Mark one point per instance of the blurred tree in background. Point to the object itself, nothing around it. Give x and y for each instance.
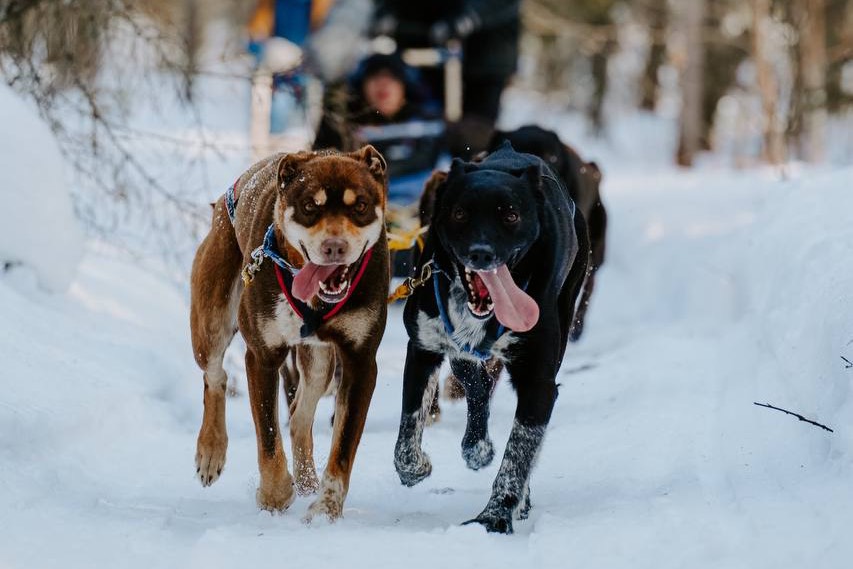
(792, 56)
(784, 65)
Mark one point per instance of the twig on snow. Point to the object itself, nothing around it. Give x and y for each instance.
(847, 363)
(797, 415)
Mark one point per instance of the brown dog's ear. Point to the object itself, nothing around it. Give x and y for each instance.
(427, 203)
(289, 166)
(374, 160)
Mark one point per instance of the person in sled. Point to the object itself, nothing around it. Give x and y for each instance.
(387, 108)
(488, 31)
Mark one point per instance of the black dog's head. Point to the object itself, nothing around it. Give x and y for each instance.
(486, 218)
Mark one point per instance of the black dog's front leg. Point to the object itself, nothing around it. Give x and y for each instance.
(510, 491)
(412, 464)
(477, 449)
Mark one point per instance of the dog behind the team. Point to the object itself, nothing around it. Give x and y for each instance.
(307, 231)
(509, 253)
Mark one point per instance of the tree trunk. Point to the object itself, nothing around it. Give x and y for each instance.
(813, 63)
(657, 20)
(692, 76)
(774, 147)
(599, 78)
(192, 46)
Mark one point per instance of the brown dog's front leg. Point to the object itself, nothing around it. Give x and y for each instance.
(353, 401)
(275, 492)
(316, 365)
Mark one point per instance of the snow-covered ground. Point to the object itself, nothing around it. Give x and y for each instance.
(721, 289)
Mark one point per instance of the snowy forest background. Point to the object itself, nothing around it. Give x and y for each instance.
(724, 130)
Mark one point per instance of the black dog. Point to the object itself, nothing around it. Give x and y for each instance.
(509, 255)
(583, 180)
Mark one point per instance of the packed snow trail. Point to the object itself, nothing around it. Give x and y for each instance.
(720, 289)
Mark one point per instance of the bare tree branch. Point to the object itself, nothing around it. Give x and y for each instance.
(797, 415)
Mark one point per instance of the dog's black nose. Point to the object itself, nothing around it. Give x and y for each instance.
(480, 257)
(334, 250)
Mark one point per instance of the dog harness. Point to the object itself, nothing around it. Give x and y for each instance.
(494, 329)
(312, 317)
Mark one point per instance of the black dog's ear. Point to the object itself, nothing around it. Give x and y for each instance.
(533, 175)
(376, 163)
(457, 167)
(290, 165)
(506, 145)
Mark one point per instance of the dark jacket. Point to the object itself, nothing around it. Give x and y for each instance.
(489, 29)
(404, 152)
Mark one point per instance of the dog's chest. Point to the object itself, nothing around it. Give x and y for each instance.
(469, 334)
(284, 327)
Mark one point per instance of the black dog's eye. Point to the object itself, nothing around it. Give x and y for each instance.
(511, 217)
(360, 207)
(459, 214)
(309, 206)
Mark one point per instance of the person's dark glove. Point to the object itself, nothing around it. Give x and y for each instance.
(384, 26)
(457, 28)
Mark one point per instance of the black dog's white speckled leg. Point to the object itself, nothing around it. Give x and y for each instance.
(523, 511)
(420, 380)
(511, 485)
(477, 448)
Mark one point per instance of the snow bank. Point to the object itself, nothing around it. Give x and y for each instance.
(800, 282)
(39, 229)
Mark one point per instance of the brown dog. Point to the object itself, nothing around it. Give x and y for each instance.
(309, 228)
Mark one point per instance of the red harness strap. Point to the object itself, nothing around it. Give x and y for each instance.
(304, 311)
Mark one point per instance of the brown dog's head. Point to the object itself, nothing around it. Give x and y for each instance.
(331, 208)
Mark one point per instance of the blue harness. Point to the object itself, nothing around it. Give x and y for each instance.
(493, 334)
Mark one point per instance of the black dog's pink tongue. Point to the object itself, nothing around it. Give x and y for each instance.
(513, 307)
(306, 283)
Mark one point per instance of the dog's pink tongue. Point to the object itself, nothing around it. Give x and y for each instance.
(306, 283)
(513, 307)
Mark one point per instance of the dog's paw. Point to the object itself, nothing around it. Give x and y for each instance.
(323, 509)
(276, 498)
(493, 523)
(479, 455)
(412, 467)
(210, 458)
(329, 504)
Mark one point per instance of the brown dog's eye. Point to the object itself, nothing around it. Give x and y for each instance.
(360, 207)
(459, 214)
(511, 217)
(309, 206)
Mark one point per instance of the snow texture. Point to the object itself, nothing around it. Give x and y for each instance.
(39, 231)
(721, 289)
